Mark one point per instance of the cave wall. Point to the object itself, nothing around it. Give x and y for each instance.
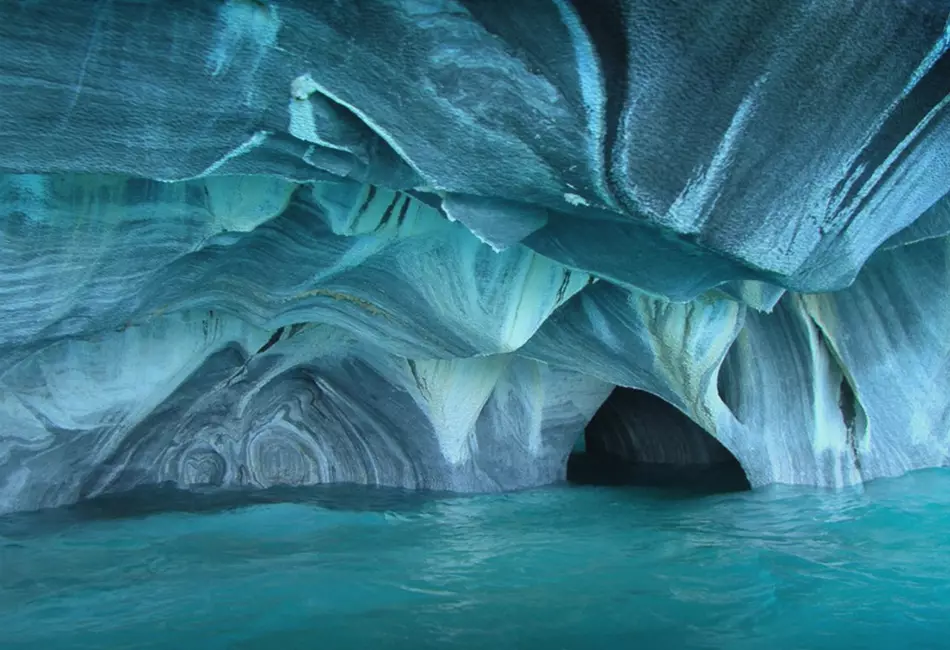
(252, 243)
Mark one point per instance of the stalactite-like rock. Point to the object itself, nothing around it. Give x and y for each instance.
(256, 243)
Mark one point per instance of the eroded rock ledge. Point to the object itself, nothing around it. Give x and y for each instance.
(419, 243)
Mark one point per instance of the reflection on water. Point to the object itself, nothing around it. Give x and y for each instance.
(585, 468)
(155, 500)
(564, 567)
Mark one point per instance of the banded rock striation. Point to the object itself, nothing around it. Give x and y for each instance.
(418, 243)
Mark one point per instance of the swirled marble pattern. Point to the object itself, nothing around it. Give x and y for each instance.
(701, 121)
(134, 250)
(256, 243)
(187, 400)
(898, 368)
(778, 389)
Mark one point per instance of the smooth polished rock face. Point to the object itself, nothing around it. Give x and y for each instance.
(417, 244)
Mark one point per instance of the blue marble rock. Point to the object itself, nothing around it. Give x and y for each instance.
(418, 243)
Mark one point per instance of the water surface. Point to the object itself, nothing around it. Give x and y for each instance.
(562, 567)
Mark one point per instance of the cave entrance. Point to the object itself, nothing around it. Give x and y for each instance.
(636, 438)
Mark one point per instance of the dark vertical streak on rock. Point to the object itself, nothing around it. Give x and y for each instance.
(387, 215)
(295, 329)
(849, 411)
(370, 193)
(563, 288)
(420, 383)
(271, 341)
(604, 21)
(402, 213)
(932, 89)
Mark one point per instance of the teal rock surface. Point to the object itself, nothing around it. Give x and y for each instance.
(419, 243)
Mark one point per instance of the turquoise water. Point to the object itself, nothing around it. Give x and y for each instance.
(563, 567)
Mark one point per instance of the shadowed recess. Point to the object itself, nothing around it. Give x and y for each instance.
(639, 439)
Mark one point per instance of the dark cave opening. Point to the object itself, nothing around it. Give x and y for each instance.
(638, 439)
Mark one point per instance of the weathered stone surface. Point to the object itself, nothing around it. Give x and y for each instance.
(418, 242)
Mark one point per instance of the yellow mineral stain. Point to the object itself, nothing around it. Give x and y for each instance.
(336, 295)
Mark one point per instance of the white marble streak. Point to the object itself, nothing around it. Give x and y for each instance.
(253, 243)
(188, 400)
(889, 331)
(407, 279)
(765, 385)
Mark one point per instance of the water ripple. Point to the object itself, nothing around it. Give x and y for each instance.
(556, 568)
